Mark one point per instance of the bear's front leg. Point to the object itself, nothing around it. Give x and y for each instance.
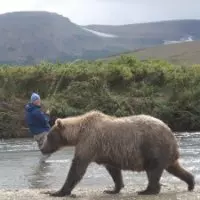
(117, 178)
(76, 172)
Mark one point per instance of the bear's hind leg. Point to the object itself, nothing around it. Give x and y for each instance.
(154, 176)
(116, 175)
(182, 174)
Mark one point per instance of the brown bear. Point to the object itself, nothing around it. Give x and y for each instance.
(136, 143)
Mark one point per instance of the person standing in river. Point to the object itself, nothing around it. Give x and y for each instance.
(37, 121)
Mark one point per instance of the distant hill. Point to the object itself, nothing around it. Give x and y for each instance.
(158, 31)
(30, 37)
(179, 53)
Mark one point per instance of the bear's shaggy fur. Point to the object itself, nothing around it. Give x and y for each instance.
(136, 143)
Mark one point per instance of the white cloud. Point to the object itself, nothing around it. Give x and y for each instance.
(110, 11)
(12, 5)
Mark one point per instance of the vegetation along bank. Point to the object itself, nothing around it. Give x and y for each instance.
(121, 86)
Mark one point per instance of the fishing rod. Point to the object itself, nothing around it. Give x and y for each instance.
(61, 78)
(59, 82)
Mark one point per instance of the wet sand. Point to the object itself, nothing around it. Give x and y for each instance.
(174, 192)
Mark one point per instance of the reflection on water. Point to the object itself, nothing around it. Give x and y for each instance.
(20, 167)
(38, 175)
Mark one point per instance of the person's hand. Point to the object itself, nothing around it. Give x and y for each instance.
(48, 112)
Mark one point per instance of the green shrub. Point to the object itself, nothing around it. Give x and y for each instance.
(118, 87)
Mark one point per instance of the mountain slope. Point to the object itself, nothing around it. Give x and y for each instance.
(33, 36)
(164, 30)
(30, 37)
(180, 53)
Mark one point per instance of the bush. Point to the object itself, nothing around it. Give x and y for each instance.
(118, 87)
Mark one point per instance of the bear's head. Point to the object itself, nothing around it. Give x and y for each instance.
(55, 138)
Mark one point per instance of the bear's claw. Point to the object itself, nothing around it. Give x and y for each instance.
(148, 192)
(58, 194)
(111, 191)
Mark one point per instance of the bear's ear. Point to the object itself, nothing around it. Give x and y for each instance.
(59, 123)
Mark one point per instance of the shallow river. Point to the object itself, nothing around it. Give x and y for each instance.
(20, 169)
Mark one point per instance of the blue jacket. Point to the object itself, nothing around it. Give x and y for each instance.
(36, 120)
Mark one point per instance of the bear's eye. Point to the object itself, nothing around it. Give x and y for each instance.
(53, 136)
(50, 137)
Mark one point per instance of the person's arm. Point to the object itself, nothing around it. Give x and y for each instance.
(47, 115)
(41, 117)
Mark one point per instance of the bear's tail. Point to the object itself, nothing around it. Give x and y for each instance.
(177, 170)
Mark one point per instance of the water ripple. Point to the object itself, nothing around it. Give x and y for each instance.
(20, 168)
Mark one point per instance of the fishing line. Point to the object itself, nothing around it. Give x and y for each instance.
(60, 80)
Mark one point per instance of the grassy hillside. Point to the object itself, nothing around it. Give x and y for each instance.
(30, 37)
(186, 53)
(120, 87)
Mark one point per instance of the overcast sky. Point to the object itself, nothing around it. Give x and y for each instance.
(110, 11)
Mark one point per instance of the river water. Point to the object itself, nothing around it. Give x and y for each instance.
(20, 168)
